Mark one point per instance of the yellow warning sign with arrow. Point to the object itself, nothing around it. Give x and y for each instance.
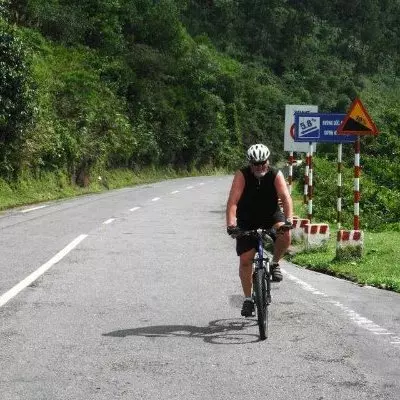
(357, 121)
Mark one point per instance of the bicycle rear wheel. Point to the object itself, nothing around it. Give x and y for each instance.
(260, 294)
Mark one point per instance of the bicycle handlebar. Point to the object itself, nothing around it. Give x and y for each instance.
(265, 233)
(255, 232)
(270, 233)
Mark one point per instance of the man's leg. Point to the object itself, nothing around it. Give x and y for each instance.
(245, 274)
(245, 271)
(282, 242)
(281, 245)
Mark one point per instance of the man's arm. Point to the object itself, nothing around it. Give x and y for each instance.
(234, 197)
(284, 195)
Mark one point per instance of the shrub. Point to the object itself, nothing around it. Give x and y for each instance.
(17, 99)
(379, 205)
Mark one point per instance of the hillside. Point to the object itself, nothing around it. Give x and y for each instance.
(96, 85)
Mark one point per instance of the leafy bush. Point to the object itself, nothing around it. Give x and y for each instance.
(16, 94)
(136, 83)
(379, 205)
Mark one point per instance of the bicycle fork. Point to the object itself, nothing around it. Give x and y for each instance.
(265, 267)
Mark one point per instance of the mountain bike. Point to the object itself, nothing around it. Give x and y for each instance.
(261, 292)
(261, 277)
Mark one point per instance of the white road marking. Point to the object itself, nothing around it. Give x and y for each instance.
(155, 199)
(189, 187)
(134, 209)
(33, 209)
(109, 221)
(175, 191)
(40, 271)
(355, 317)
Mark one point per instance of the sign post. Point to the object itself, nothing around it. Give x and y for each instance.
(339, 186)
(357, 123)
(289, 144)
(310, 183)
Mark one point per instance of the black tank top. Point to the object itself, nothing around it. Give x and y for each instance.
(259, 200)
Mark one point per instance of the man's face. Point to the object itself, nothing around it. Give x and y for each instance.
(259, 169)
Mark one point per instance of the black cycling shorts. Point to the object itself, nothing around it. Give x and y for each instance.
(246, 243)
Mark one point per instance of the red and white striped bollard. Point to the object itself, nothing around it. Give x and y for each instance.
(357, 195)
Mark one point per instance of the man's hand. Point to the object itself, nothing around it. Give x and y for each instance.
(232, 230)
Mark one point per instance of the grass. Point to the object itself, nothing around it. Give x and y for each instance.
(378, 266)
(57, 185)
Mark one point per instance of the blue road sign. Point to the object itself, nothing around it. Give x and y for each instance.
(317, 127)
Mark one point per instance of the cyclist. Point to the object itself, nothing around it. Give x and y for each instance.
(252, 204)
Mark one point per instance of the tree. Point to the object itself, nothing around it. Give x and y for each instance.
(16, 94)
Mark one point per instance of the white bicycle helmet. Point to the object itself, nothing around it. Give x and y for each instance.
(258, 153)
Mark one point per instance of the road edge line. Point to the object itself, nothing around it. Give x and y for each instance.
(40, 271)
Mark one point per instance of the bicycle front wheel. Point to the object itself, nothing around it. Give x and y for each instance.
(260, 292)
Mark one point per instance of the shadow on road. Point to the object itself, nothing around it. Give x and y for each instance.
(222, 331)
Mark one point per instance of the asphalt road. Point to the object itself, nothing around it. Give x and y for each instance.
(134, 294)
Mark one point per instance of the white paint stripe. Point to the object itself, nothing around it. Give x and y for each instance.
(189, 187)
(372, 326)
(109, 221)
(317, 292)
(155, 199)
(201, 184)
(134, 209)
(363, 320)
(175, 191)
(33, 209)
(355, 317)
(378, 329)
(40, 271)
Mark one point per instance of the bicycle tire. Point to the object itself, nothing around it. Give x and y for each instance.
(260, 294)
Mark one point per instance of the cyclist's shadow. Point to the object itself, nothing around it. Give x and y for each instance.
(221, 331)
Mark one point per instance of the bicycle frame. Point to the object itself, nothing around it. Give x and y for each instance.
(262, 262)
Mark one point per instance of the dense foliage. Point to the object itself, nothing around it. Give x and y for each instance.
(16, 103)
(88, 85)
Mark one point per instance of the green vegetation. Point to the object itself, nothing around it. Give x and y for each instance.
(56, 185)
(379, 266)
(102, 84)
(376, 263)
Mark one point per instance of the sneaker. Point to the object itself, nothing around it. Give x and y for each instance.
(247, 308)
(276, 272)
